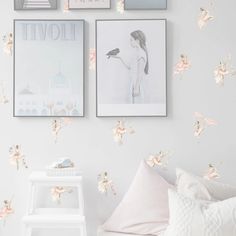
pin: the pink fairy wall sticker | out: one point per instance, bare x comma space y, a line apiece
105, 184
92, 59
211, 173
182, 66
17, 157
57, 192
120, 7
8, 44
204, 18
223, 71
57, 126
202, 123
161, 159
3, 97
6, 210
66, 6
120, 130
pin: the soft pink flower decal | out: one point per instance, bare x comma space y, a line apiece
3, 97
182, 66
57, 126
57, 192
223, 70
92, 59
105, 184
120, 7
8, 44
17, 157
120, 130
161, 159
204, 18
211, 173
66, 6
202, 123
6, 210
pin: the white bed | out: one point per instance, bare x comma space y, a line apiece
103, 233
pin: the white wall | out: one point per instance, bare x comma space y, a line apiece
89, 140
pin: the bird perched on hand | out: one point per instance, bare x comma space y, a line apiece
113, 53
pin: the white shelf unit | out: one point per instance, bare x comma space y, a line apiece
44, 218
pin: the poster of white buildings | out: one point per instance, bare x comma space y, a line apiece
89, 4
49, 68
35, 4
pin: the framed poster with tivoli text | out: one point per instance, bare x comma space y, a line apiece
49, 68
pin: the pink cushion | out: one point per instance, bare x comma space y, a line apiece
144, 208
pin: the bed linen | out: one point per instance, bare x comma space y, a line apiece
103, 233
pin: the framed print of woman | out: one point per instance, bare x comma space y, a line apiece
131, 67
138, 67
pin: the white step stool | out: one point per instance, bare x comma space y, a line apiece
43, 218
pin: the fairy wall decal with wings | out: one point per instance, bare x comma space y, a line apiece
204, 18
120, 130
6, 210
105, 184
57, 193
211, 173
8, 44
58, 125
202, 123
182, 66
120, 6
224, 70
17, 157
161, 159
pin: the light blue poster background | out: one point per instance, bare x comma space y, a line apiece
49, 68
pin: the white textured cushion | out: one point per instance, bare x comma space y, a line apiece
144, 208
190, 186
199, 188
189, 217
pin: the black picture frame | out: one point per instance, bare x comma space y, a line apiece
166, 84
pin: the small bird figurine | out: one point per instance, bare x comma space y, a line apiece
113, 53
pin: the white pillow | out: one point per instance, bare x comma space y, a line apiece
190, 186
144, 208
189, 217
199, 188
